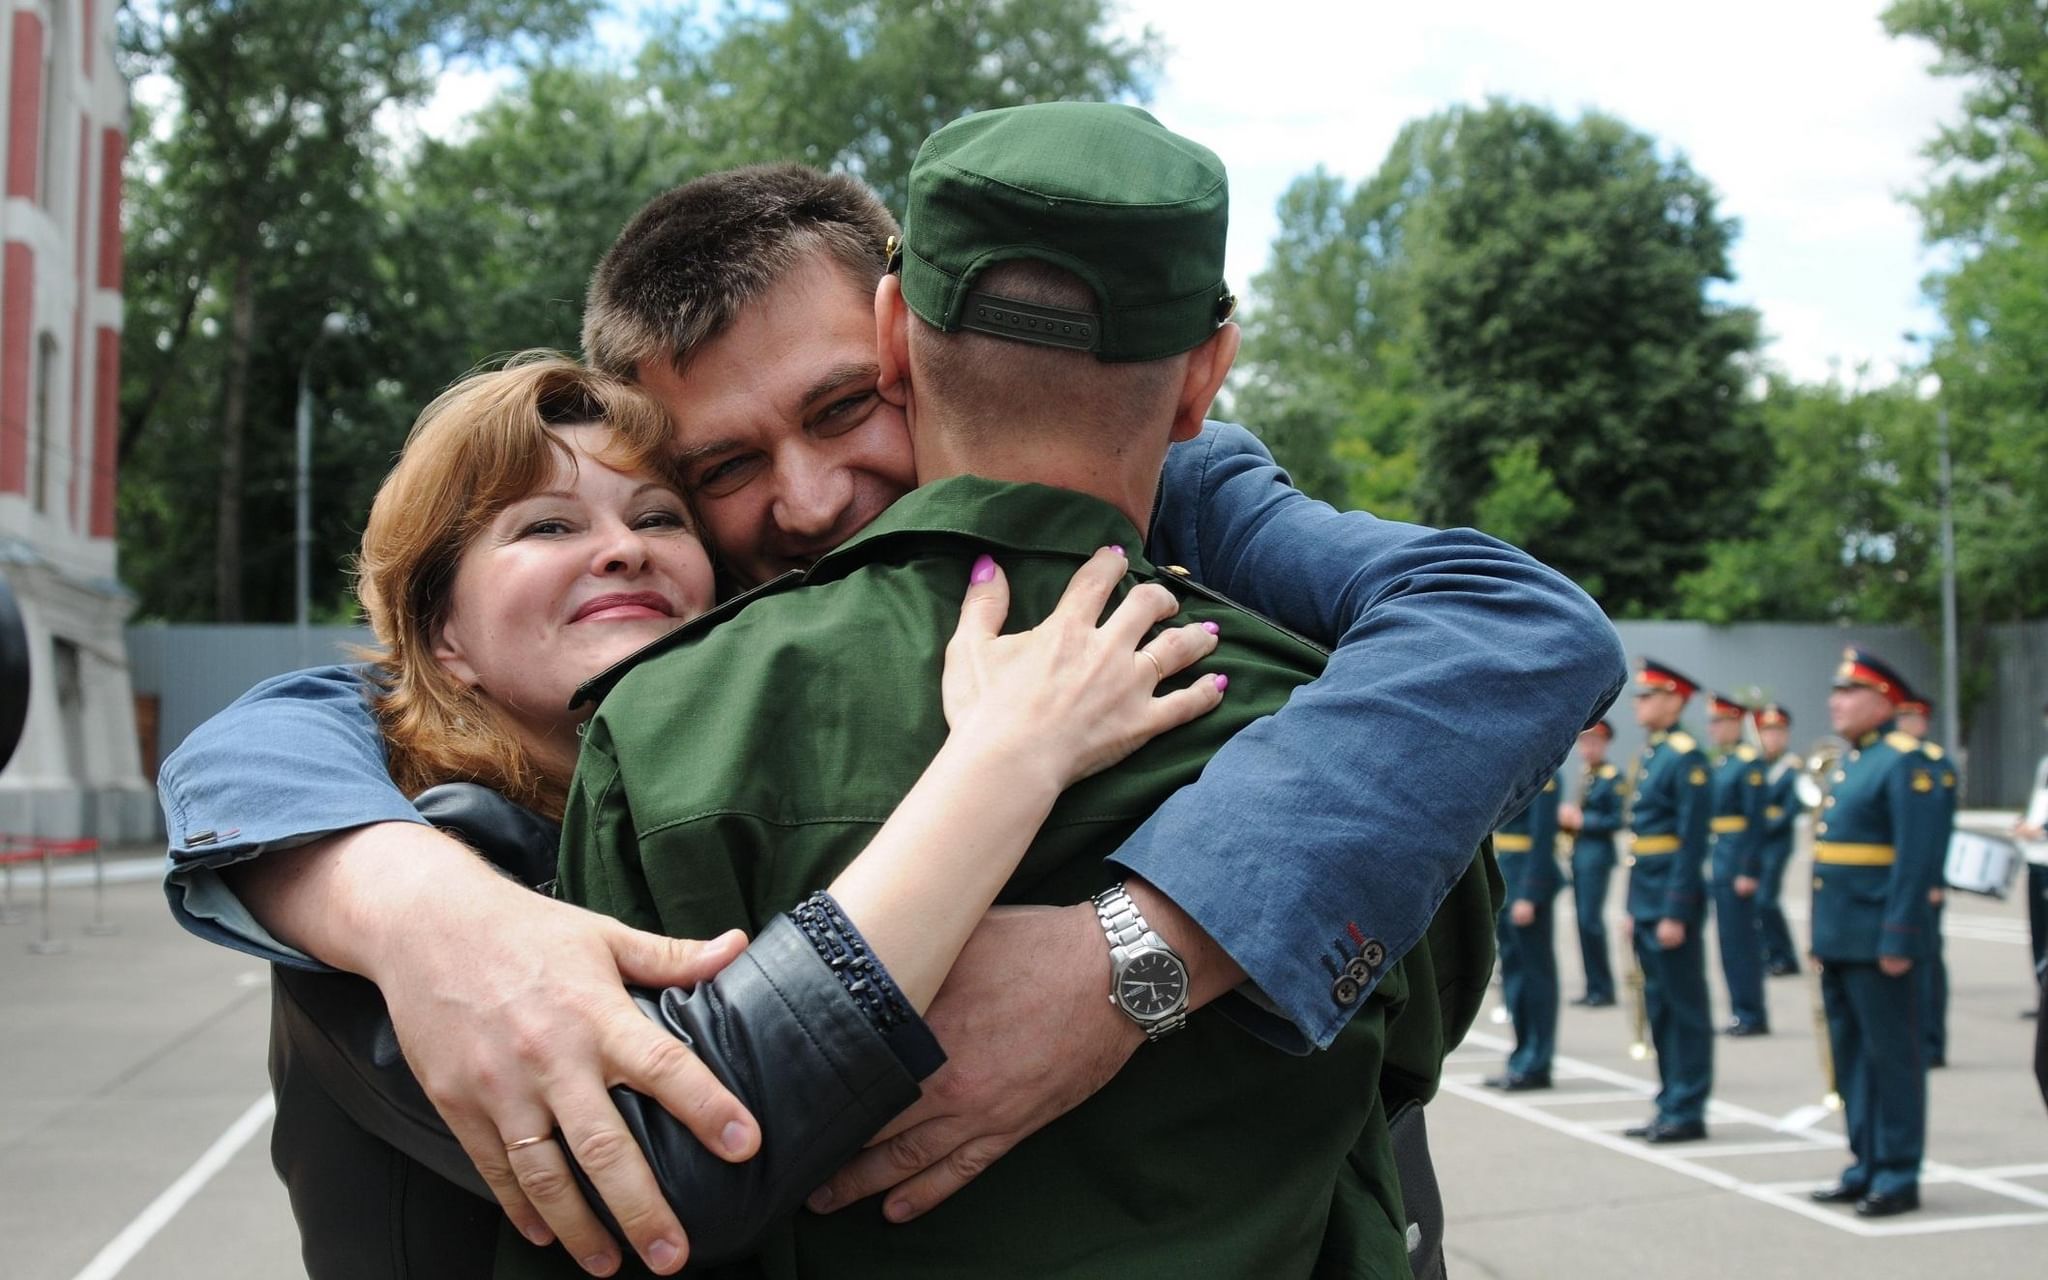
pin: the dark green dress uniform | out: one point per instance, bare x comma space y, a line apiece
1774, 845
1934, 973
1738, 787
1526, 845
1592, 867
1878, 849
1669, 809
736, 767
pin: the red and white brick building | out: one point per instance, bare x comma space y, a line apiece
77, 770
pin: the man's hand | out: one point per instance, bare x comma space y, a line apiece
1936, 896
512, 1012
2028, 831
1895, 966
1670, 933
1745, 886
1522, 913
1570, 817
1020, 1054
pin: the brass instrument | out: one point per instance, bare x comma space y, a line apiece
1638, 1004
1816, 779
1822, 1046
1817, 771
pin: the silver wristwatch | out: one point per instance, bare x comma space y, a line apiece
1148, 980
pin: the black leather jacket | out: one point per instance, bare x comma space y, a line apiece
381, 1188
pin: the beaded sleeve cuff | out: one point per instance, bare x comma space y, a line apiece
874, 992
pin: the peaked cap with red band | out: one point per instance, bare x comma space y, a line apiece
1600, 727
1915, 705
1722, 707
1653, 676
1772, 716
1861, 667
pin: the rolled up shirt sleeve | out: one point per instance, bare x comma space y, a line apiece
1462, 670
296, 758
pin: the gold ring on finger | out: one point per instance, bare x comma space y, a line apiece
523, 1143
1155, 665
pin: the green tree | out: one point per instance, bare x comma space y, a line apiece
859, 84
1516, 310
1986, 202
1562, 275
449, 251
254, 184
1847, 529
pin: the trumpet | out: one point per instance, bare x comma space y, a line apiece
1817, 778
1638, 1006
1822, 1046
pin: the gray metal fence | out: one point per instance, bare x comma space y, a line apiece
194, 670
197, 670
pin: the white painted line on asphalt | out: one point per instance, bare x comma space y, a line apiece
1750, 1149
1582, 1099
1803, 1118
1790, 1197
2017, 1171
121, 1250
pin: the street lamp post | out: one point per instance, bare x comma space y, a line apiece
302, 530
1950, 713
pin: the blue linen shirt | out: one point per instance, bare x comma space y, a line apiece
1462, 670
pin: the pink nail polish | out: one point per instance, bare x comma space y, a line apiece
1222, 682
1212, 628
1118, 548
984, 571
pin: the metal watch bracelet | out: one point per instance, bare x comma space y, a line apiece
1125, 927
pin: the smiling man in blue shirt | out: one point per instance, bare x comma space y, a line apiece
763, 347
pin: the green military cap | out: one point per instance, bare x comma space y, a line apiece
1136, 211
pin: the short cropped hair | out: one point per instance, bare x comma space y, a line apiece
694, 257
485, 443
987, 383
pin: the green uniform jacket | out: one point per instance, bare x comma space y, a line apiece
735, 767
1878, 849
1668, 813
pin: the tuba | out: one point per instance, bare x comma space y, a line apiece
1817, 771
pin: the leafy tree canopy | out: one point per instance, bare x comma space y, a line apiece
1516, 312
273, 186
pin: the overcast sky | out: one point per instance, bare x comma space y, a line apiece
1807, 119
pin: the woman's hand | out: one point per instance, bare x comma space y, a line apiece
1069, 695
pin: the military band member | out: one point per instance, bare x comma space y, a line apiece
1877, 853
1738, 789
1914, 715
1526, 846
1781, 811
1669, 805
1592, 823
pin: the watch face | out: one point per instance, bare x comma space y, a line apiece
1152, 985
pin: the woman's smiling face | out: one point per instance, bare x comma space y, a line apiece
568, 580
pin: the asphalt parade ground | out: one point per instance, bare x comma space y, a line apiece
134, 1124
